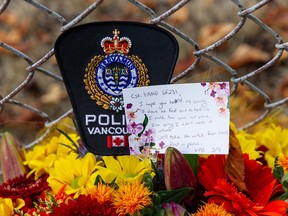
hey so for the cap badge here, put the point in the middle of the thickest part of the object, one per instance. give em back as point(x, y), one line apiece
point(106, 75)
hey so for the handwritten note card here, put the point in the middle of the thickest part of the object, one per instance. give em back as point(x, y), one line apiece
point(194, 118)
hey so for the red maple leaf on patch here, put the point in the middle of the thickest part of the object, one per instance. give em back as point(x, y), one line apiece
point(118, 141)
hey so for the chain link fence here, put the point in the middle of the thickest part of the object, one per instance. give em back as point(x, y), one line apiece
point(195, 56)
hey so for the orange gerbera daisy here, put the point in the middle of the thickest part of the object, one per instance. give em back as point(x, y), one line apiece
point(261, 186)
point(102, 192)
point(212, 210)
point(283, 161)
point(131, 197)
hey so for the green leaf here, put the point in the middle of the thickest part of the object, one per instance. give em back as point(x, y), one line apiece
point(145, 121)
point(193, 161)
point(152, 144)
point(148, 181)
point(98, 180)
point(68, 137)
point(158, 180)
point(284, 181)
point(156, 200)
point(176, 195)
point(278, 172)
point(283, 196)
point(153, 210)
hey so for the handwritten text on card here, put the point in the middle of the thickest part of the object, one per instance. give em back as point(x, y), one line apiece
point(194, 118)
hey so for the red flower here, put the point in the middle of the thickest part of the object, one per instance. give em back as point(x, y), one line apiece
point(84, 205)
point(27, 189)
point(260, 184)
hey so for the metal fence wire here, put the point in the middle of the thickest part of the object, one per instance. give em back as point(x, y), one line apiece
point(247, 16)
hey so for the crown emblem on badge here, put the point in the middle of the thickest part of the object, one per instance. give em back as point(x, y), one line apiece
point(116, 44)
point(106, 76)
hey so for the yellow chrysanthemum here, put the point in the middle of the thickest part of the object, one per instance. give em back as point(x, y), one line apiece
point(124, 168)
point(42, 157)
point(275, 139)
point(101, 192)
point(7, 206)
point(211, 210)
point(131, 197)
point(247, 142)
point(283, 161)
point(77, 174)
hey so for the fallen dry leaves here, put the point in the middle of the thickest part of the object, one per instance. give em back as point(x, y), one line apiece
point(234, 163)
point(209, 34)
point(54, 94)
point(283, 88)
point(277, 17)
point(246, 54)
point(13, 31)
point(179, 17)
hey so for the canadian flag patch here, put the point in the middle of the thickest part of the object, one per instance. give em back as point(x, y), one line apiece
point(117, 141)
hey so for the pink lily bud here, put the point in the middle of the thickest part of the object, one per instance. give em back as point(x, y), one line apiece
point(174, 209)
point(179, 174)
point(11, 157)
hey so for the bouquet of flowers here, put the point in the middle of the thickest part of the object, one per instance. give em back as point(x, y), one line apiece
point(59, 177)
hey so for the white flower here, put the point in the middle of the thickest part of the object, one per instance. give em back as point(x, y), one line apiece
point(116, 104)
point(135, 143)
